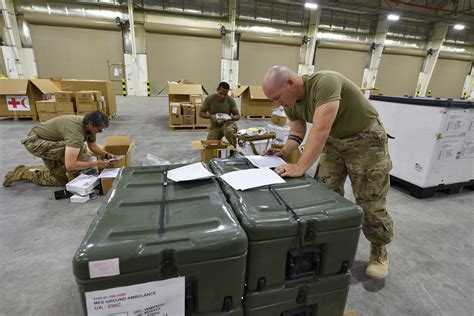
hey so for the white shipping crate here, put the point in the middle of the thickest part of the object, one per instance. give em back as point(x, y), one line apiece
point(433, 142)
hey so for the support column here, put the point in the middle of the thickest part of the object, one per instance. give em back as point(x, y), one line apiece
point(135, 59)
point(18, 60)
point(375, 54)
point(308, 47)
point(468, 88)
point(229, 59)
point(429, 62)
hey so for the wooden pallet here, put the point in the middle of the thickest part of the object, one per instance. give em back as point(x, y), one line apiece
point(17, 118)
point(257, 116)
point(187, 127)
point(422, 193)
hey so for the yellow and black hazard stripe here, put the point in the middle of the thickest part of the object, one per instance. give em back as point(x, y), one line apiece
point(148, 89)
point(124, 88)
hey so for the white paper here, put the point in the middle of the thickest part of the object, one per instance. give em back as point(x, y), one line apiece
point(266, 161)
point(195, 171)
point(109, 173)
point(104, 268)
point(251, 178)
point(157, 298)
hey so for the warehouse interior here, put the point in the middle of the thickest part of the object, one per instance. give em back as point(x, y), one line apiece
point(142, 50)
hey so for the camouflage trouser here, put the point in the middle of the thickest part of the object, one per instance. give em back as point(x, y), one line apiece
point(52, 154)
point(365, 158)
point(229, 130)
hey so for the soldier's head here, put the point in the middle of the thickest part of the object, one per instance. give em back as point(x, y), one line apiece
point(95, 122)
point(283, 86)
point(222, 90)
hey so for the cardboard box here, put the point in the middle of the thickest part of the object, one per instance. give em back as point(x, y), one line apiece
point(45, 116)
point(64, 96)
point(212, 149)
point(81, 113)
point(106, 184)
point(182, 92)
point(188, 119)
point(83, 184)
point(176, 119)
point(279, 120)
point(105, 87)
point(67, 107)
point(196, 99)
point(18, 96)
point(175, 108)
point(187, 108)
point(88, 96)
point(65, 113)
point(254, 102)
point(88, 107)
point(119, 146)
point(107, 178)
point(199, 120)
point(46, 106)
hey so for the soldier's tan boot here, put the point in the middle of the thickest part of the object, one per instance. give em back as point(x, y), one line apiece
point(15, 175)
point(377, 268)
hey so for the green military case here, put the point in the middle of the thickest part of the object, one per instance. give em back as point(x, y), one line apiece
point(325, 297)
point(196, 236)
point(299, 230)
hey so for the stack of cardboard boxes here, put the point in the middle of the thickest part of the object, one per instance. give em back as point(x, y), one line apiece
point(69, 103)
point(185, 101)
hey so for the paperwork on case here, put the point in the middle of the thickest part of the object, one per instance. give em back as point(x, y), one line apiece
point(195, 171)
point(239, 180)
point(109, 173)
point(266, 161)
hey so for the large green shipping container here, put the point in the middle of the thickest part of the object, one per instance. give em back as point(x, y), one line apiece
point(324, 297)
point(159, 230)
point(299, 230)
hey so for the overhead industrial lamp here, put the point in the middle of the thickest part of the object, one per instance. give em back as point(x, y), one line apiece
point(311, 6)
point(393, 17)
point(459, 27)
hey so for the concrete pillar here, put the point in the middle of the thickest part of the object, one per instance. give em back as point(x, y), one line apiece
point(229, 58)
point(135, 59)
point(375, 54)
point(468, 88)
point(308, 47)
point(429, 62)
point(18, 61)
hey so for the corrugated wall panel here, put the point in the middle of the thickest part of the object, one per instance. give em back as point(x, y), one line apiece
point(256, 58)
point(76, 53)
point(398, 74)
point(448, 78)
point(349, 63)
point(174, 57)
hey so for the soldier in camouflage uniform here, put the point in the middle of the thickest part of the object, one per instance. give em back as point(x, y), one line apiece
point(221, 103)
point(59, 142)
point(348, 138)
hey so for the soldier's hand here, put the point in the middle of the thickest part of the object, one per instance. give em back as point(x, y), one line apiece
point(109, 156)
point(273, 152)
point(102, 164)
point(289, 170)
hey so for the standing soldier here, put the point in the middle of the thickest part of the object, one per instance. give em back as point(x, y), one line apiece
point(60, 143)
point(349, 139)
point(222, 112)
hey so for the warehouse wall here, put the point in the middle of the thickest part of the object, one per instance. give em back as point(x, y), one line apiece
point(256, 58)
point(76, 53)
point(174, 57)
point(448, 78)
point(398, 74)
point(350, 63)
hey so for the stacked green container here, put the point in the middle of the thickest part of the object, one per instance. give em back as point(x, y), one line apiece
point(302, 241)
point(197, 237)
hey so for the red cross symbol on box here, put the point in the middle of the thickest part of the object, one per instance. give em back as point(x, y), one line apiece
point(13, 102)
point(18, 103)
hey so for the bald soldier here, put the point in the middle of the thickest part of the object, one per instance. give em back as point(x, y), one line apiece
point(60, 143)
point(348, 138)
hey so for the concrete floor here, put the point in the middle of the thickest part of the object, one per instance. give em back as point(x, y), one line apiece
point(431, 258)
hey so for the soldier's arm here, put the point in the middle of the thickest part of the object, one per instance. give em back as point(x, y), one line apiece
point(70, 160)
point(234, 111)
point(205, 108)
point(297, 128)
point(96, 149)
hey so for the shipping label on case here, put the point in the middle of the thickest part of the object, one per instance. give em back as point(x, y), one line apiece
point(18, 103)
point(158, 298)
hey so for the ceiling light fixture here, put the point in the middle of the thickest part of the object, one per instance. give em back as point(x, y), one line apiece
point(311, 6)
point(393, 17)
point(459, 27)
